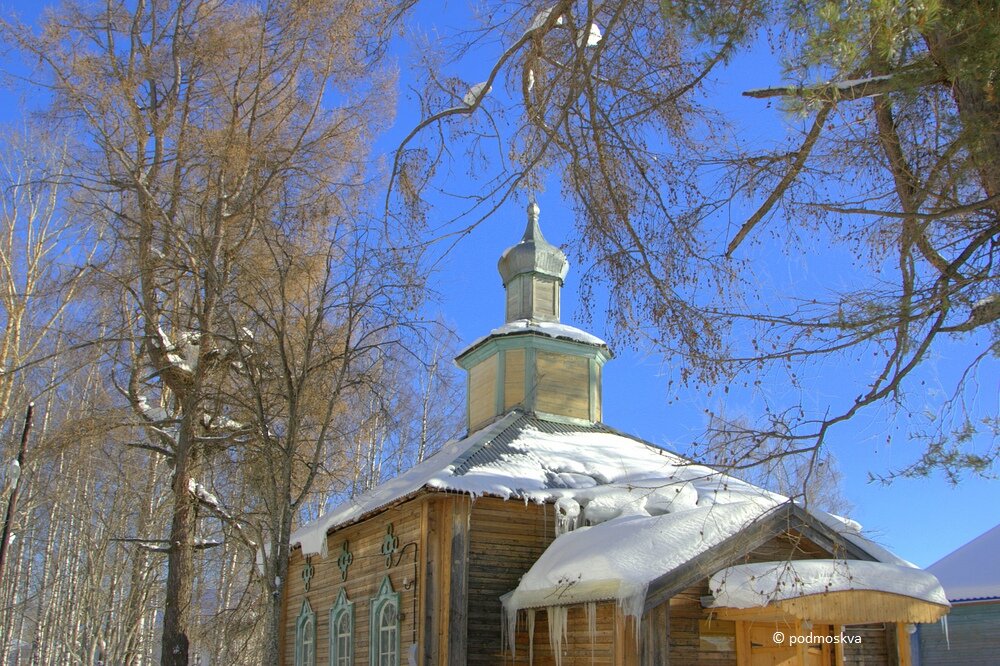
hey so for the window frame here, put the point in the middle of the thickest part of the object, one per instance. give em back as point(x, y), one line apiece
point(342, 608)
point(386, 598)
point(306, 622)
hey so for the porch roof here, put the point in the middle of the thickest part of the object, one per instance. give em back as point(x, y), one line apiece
point(832, 591)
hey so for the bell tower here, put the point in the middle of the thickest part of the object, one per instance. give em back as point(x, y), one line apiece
point(534, 362)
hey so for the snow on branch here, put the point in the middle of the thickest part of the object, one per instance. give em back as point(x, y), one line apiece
point(476, 93)
point(915, 75)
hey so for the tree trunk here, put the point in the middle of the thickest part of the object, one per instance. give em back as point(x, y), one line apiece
point(177, 610)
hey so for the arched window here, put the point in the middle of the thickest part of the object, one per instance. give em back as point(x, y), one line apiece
point(305, 636)
point(342, 631)
point(385, 626)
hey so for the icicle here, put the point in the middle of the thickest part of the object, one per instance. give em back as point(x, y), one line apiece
point(557, 630)
point(508, 624)
point(531, 636)
point(631, 599)
point(567, 515)
point(944, 625)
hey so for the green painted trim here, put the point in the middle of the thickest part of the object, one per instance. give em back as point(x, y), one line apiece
point(530, 379)
point(306, 616)
point(385, 597)
point(339, 609)
point(468, 400)
point(525, 340)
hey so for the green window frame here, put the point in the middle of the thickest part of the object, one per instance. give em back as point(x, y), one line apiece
point(385, 627)
point(342, 631)
point(305, 636)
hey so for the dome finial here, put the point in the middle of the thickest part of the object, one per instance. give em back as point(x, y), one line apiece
point(532, 231)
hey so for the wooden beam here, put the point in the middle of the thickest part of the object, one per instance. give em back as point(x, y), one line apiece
point(458, 595)
point(655, 637)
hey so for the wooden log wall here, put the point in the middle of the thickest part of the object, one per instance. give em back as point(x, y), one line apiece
point(364, 577)
point(505, 539)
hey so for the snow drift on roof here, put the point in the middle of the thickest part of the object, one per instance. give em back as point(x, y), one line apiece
point(548, 328)
point(756, 585)
point(972, 571)
point(619, 558)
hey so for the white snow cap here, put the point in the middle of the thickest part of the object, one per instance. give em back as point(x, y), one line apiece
point(543, 16)
point(592, 35)
point(551, 329)
point(475, 93)
point(756, 585)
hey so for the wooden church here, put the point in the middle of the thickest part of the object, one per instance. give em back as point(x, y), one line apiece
point(545, 536)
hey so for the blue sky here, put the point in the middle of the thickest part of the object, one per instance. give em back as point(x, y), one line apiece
point(922, 520)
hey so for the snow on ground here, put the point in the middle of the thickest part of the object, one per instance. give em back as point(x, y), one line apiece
point(756, 585)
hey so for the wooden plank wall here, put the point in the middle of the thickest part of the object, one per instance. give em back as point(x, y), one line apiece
point(697, 637)
point(482, 391)
point(563, 384)
point(973, 636)
point(513, 378)
point(364, 577)
point(505, 539)
point(612, 642)
point(874, 647)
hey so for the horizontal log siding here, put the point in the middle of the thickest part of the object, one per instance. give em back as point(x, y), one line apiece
point(363, 580)
point(874, 648)
point(505, 540)
point(579, 645)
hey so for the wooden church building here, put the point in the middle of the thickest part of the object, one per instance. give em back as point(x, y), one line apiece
point(546, 537)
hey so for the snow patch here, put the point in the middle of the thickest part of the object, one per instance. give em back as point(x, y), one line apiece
point(756, 585)
point(202, 493)
point(548, 328)
point(590, 36)
point(541, 17)
point(475, 93)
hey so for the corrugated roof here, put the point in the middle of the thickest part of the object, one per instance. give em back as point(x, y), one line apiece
point(495, 449)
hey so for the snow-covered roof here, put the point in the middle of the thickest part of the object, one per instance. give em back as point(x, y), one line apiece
point(760, 583)
point(627, 512)
point(591, 470)
point(549, 329)
point(619, 558)
point(973, 571)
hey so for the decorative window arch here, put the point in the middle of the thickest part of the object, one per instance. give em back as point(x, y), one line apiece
point(342, 631)
point(305, 636)
point(385, 626)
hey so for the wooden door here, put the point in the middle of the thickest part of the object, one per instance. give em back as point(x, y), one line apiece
point(770, 644)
